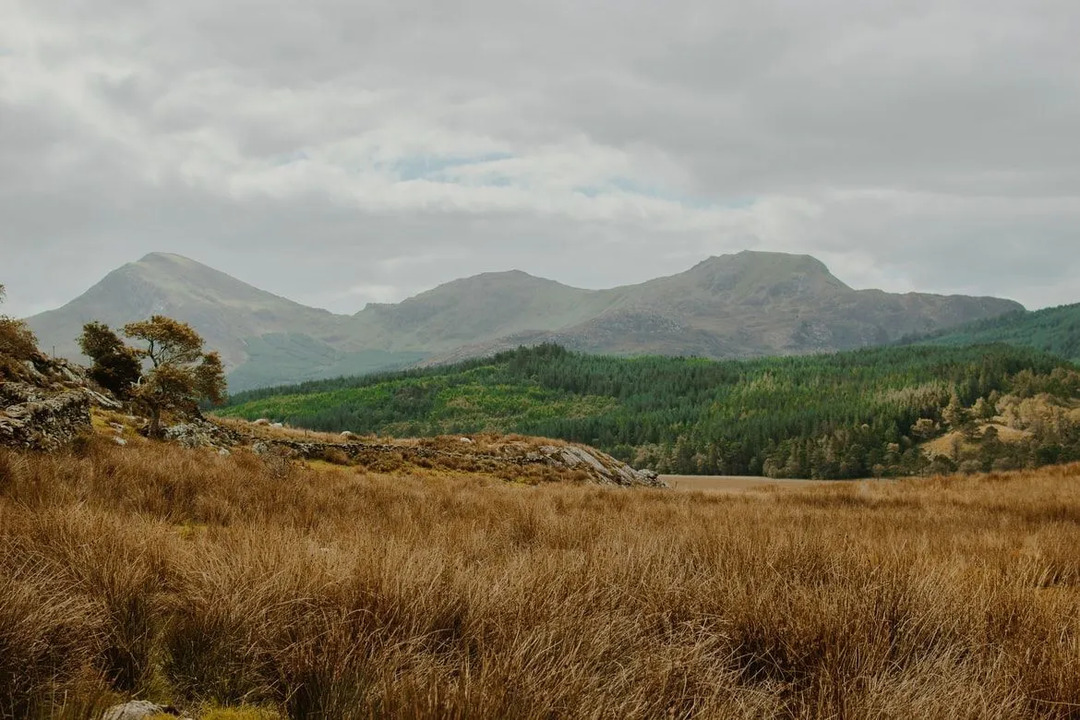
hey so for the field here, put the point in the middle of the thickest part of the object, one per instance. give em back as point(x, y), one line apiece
point(735, 483)
point(282, 590)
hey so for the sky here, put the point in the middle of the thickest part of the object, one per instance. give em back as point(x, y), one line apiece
point(340, 152)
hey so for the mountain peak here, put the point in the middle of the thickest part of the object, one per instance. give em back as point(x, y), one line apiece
point(165, 257)
point(757, 275)
point(776, 261)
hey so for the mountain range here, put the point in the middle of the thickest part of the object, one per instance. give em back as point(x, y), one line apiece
point(743, 305)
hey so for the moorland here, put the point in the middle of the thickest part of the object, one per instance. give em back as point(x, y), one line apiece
point(243, 588)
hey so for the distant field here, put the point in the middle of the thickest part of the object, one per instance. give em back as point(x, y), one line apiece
point(735, 483)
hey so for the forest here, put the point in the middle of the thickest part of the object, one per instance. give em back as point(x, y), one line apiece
point(876, 412)
point(1055, 330)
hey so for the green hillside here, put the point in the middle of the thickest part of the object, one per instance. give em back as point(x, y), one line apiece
point(1055, 330)
point(843, 415)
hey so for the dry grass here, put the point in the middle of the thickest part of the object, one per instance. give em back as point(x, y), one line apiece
point(207, 581)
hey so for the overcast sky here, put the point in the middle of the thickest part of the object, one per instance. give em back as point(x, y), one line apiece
point(345, 151)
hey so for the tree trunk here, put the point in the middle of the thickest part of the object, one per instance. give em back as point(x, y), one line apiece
point(155, 422)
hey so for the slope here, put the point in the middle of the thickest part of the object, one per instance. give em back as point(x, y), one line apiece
point(221, 308)
point(1055, 330)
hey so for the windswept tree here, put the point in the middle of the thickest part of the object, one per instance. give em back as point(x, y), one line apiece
point(180, 375)
point(164, 369)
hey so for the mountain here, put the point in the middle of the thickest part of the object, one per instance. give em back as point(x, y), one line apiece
point(745, 305)
point(742, 305)
point(223, 309)
point(1055, 330)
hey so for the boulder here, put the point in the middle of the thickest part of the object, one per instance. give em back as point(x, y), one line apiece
point(137, 710)
point(42, 423)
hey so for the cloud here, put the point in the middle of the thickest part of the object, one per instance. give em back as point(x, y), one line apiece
point(339, 152)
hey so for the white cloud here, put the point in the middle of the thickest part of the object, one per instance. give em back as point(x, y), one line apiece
point(307, 146)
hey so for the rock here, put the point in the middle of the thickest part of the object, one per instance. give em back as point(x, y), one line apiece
point(137, 710)
point(347, 435)
point(277, 425)
point(43, 423)
point(224, 452)
point(189, 435)
point(119, 441)
point(466, 440)
point(67, 374)
point(33, 373)
point(199, 432)
point(601, 467)
point(103, 402)
point(260, 421)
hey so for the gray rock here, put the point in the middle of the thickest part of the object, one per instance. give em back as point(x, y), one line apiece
point(103, 402)
point(43, 423)
point(119, 441)
point(136, 710)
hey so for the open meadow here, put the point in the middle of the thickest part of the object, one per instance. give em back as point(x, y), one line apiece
point(244, 587)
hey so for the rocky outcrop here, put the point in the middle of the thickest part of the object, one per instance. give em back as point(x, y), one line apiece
point(49, 406)
point(198, 432)
point(602, 466)
point(43, 423)
point(592, 465)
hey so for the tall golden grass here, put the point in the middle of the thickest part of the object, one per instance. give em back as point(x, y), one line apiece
point(183, 576)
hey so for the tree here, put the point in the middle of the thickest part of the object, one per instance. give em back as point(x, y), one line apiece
point(17, 343)
point(179, 374)
point(116, 367)
point(955, 414)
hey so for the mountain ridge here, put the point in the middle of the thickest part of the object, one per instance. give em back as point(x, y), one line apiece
point(742, 305)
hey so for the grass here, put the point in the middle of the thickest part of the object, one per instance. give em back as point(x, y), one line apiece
point(233, 589)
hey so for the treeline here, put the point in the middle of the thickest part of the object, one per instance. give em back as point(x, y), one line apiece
point(842, 415)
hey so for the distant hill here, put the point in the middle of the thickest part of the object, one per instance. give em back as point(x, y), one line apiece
point(750, 304)
point(263, 338)
point(1055, 330)
point(843, 415)
point(745, 305)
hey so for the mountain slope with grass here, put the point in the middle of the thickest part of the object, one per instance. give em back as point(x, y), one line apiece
point(841, 415)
